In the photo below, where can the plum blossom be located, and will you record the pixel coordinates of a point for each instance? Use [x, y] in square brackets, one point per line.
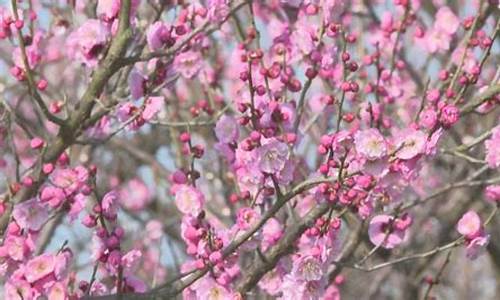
[134, 195]
[39, 267]
[157, 35]
[188, 63]
[307, 268]
[87, 42]
[30, 214]
[370, 143]
[189, 200]
[272, 156]
[246, 218]
[492, 148]
[382, 232]
[226, 129]
[410, 143]
[493, 193]
[470, 224]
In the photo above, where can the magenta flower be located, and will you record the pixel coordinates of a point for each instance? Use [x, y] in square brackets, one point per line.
[449, 115]
[189, 200]
[370, 144]
[272, 156]
[382, 232]
[30, 214]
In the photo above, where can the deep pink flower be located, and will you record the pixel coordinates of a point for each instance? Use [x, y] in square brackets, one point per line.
[370, 144]
[189, 200]
[449, 115]
[30, 214]
[382, 232]
[493, 193]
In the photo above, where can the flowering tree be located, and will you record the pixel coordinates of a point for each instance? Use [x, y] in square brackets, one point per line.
[249, 149]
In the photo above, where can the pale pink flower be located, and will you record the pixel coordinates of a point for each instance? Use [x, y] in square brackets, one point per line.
[189, 200]
[88, 41]
[307, 268]
[446, 20]
[58, 292]
[209, 289]
[134, 195]
[30, 214]
[109, 204]
[39, 267]
[227, 129]
[470, 224]
[272, 156]
[188, 63]
[477, 246]
[492, 149]
[381, 232]
[370, 144]
[410, 143]
[108, 9]
[152, 106]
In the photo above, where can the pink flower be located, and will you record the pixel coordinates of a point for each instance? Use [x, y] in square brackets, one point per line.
[209, 289]
[428, 118]
[492, 149]
[134, 195]
[136, 82]
[189, 200]
[36, 143]
[446, 20]
[30, 214]
[188, 63]
[493, 193]
[381, 232]
[151, 107]
[131, 259]
[54, 196]
[246, 218]
[218, 9]
[109, 204]
[370, 143]
[70, 180]
[469, 225]
[307, 268]
[39, 267]
[58, 292]
[437, 41]
[449, 115]
[477, 246]
[410, 143]
[227, 129]
[272, 156]
[157, 35]
[87, 42]
[108, 9]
